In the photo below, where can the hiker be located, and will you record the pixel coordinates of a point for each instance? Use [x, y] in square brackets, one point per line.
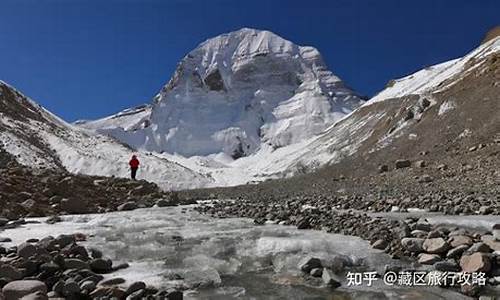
[134, 165]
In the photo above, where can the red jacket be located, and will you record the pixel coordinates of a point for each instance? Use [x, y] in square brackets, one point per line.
[134, 162]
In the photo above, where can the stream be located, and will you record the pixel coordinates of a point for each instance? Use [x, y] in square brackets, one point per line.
[223, 258]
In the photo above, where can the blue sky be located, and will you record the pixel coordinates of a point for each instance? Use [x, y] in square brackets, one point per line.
[87, 59]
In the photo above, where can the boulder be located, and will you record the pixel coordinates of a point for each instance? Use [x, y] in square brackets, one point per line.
[88, 286]
[20, 288]
[490, 240]
[100, 265]
[428, 259]
[435, 245]
[457, 251]
[75, 263]
[380, 244]
[477, 262]
[413, 244]
[402, 163]
[447, 266]
[26, 250]
[137, 295]
[8, 271]
[174, 295]
[70, 288]
[478, 247]
[458, 240]
[134, 287]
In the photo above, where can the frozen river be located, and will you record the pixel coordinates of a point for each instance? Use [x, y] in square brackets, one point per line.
[223, 258]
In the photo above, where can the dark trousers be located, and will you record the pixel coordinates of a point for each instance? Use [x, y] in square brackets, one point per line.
[133, 172]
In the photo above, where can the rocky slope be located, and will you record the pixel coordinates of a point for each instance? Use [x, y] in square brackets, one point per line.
[234, 93]
[27, 192]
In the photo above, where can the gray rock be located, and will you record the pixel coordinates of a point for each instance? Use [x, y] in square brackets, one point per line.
[447, 266]
[20, 288]
[402, 163]
[457, 251]
[330, 279]
[130, 205]
[137, 295]
[436, 245]
[478, 247]
[458, 240]
[5, 240]
[477, 262]
[58, 287]
[50, 267]
[75, 263]
[419, 233]
[100, 265]
[413, 244]
[380, 244]
[174, 295]
[8, 271]
[134, 287]
[309, 263]
[88, 286]
[64, 240]
[26, 250]
[428, 259]
[70, 287]
[422, 224]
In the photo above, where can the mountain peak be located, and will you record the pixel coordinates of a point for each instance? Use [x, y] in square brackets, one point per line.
[235, 93]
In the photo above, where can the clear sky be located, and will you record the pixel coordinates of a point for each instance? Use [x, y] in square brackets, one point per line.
[87, 59]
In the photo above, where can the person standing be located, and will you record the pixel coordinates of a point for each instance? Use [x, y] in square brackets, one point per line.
[134, 165]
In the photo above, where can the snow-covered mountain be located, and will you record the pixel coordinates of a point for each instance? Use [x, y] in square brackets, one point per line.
[273, 105]
[39, 139]
[445, 103]
[234, 93]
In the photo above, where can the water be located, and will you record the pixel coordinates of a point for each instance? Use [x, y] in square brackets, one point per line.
[223, 258]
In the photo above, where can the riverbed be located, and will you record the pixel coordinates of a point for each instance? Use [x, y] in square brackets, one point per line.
[228, 258]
